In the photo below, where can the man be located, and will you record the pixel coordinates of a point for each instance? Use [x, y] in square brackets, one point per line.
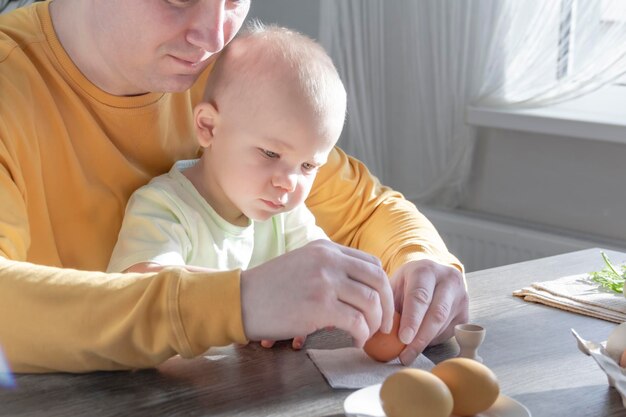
[96, 99]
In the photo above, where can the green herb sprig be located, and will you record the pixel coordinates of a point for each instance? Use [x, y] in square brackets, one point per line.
[608, 277]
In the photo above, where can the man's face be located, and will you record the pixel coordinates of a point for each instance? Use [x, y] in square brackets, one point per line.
[161, 45]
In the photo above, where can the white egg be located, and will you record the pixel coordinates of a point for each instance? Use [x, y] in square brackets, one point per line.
[616, 343]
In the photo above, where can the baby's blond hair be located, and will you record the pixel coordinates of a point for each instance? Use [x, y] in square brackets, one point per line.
[268, 54]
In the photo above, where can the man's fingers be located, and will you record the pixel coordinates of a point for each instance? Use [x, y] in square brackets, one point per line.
[321, 284]
[364, 256]
[363, 298]
[417, 299]
[435, 321]
[349, 319]
[375, 278]
[448, 305]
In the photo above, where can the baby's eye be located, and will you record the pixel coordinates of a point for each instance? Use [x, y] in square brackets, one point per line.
[269, 153]
[308, 167]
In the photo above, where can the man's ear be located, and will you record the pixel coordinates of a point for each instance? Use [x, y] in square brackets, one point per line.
[205, 118]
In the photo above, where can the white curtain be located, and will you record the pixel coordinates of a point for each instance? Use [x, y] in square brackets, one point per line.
[8, 5]
[357, 49]
[553, 51]
[411, 67]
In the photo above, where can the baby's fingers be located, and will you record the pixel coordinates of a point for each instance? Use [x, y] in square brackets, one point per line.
[298, 342]
[267, 343]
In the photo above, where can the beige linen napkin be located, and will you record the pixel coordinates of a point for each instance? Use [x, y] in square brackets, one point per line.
[351, 367]
[578, 294]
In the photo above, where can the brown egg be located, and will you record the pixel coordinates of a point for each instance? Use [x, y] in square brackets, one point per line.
[474, 387]
[415, 393]
[385, 347]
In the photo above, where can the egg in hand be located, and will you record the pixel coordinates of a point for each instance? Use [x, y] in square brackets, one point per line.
[385, 347]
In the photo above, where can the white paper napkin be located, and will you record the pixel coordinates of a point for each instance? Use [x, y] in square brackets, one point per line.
[352, 368]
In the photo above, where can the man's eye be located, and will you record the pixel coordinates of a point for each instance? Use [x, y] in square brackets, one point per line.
[308, 167]
[180, 3]
[236, 4]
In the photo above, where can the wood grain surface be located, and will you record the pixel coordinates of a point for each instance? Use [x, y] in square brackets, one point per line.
[528, 346]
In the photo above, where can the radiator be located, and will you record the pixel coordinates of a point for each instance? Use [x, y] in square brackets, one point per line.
[481, 243]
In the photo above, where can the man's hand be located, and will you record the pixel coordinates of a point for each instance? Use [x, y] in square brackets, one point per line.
[318, 285]
[432, 299]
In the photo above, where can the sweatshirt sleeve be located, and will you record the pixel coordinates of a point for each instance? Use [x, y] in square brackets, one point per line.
[354, 209]
[59, 319]
[54, 319]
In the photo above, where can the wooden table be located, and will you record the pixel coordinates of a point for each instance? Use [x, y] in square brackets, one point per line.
[528, 346]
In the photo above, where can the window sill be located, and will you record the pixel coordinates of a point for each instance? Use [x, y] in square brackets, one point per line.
[600, 115]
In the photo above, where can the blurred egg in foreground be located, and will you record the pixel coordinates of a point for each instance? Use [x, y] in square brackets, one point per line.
[415, 393]
[473, 386]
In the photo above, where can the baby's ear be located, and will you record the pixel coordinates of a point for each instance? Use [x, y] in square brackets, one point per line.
[205, 118]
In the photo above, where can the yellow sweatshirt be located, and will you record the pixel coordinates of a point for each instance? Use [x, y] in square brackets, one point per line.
[70, 156]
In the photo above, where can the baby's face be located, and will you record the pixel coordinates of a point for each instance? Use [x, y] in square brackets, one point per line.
[265, 154]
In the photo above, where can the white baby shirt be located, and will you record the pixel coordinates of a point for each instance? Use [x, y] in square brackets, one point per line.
[168, 222]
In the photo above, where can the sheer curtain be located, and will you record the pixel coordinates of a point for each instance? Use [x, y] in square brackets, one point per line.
[553, 51]
[357, 49]
[411, 68]
[8, 5]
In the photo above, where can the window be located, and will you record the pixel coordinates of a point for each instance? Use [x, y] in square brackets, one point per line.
[611, 15]
[591, 36]
[581, 26]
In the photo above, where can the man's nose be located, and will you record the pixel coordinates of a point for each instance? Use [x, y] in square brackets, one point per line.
[207, 28]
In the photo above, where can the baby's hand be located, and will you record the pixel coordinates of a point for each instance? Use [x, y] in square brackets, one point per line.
[297, 344]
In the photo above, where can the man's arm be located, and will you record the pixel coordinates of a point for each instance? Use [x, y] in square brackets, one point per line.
[54, 319]
[354, 209]
[428, 282]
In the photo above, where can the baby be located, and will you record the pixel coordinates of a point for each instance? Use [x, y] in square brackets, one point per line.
[273, 109]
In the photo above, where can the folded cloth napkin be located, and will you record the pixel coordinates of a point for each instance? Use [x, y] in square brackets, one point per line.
[352, 368]
[578, 294]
